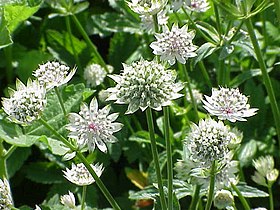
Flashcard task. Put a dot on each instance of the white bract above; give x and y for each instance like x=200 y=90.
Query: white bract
x=95 y=74
x=6 y=202
x=145 y=84
x=53 y=74
x=25 y=103
x=174 y=44
x=80 y=175
x=193 y=5
x=228 y=104
x=147 y=21
x=223 y=199
x=147 y=7
x=68 y=200
x=93 y=127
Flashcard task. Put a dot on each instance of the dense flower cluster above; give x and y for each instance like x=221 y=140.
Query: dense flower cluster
x=223 y=199
x=25 y=103
x=228 y=104
x=53 y=74
x=147 y=7
x=95 y=74
x=80 y=175
x=174 y=44
x=193 y=5
x=145 y=84
x=6 y=202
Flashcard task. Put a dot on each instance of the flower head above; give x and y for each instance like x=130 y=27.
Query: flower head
x=5 y=195
x=93 y=127
x=196 y=94
x=95 y=74
x=80 y=175
x=68 y=200
x=174 y=44
x=53 y=74
x=147 y=7
x=228 y=104
x=145 y=84
x=25 y=103
x=198 y=5
x=223 y=199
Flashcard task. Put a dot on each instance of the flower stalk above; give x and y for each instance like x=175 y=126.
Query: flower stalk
x=211 y=186
x=83 y=197
x=241 y=197
x=60 y=101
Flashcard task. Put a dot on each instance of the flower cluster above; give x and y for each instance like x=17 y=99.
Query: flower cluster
x=145 y=84
x=192 y=5
x=68 y=200
x=25 y=103
x=53 y=74
x=147 y=21
x=228 y=104
x=6 y=202
x=80 y=175
x=147 y=7
x=95 y=74
x=174 y=44
x=223 y=199
x=93 y=127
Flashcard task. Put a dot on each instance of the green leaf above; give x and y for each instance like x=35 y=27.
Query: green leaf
x=5 y=38
x=247 y=152
x=210 y=30
x=15 y=14
x=77 y=8
x=55 y=146
x=152 y=177
x=250 y=192
x=17 y=159
x=43 y=172
x=204 y=51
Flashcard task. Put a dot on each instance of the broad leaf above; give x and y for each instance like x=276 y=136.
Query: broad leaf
x=5 y=38
x=247 y=152
x=250 y=192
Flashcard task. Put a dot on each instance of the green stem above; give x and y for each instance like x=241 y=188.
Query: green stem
x=76 y=57
x=188 y=83
x=211 y=186
x=9 y=65
x=266 y=79
x=89 y=43
x=271 y=204
x=205 y=73
x=195 y=198
x=221 y=73
x=155 y=156
x=82 y=158
x=3 y=167
x=218 y=22
x=60 y=101
x=155 y=19
x=84 y=193
x=169 y=156
x=241 y=198
x=277 y=8
x=10 y=151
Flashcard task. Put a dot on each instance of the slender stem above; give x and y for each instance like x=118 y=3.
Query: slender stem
x=169 y=156
x=221 y=72
x=60 y=101
x=277 y=8
x=211 y=186
x=271 y=204
x=205 y=73
x=155 y=156
x=10 y=151
x=218 y=22
x=9 y=65
x=84 y=193
x=266 y=79
x=76 y=57
x=155 y=19
x=195 y=198
x=188 y=83
x=3 y=167
x=89 y=43
x=241 y=198
x=82 y=158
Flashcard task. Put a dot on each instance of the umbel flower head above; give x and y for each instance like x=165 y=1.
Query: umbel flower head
x=80 y=175
x=68 y=200
x=25 y=103
x=174 y=44
x=223 y=199
x=145 y=84
x=93 y=127
x=53 y=74
x=228 y=104
x=5 y=195
x=147 y=7
x=95 y=74
x=193 y=5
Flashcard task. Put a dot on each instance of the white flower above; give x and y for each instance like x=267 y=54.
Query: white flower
x=80 y=175
x=25 y=103
x=228 y=104
x=93 y=127
x=174 y=44
x=68 y=200
x=196 y=94
x=197 y=5
x=145 y=84
x=223 y=199
x=53 y=74
x=95 y=74
x=6 y=202
x=265 y=170
x=147 y=7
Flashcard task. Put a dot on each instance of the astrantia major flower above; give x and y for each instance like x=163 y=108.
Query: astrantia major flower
x=53 y=74
x=147 y=7
x=5 y=195
x=228 y=104
x=223 y=199
x=79 y=174
x=95 y=74
x=25 y=103
x=145 y=84
x=174 y=44
x=68 y=200
x=197 y=5
x=93 y=127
